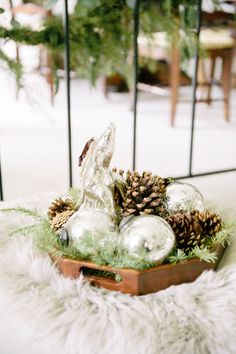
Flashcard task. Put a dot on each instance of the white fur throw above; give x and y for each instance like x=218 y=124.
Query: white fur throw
x=197 y=318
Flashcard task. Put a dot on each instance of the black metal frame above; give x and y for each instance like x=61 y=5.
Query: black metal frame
x=135 y=76
x=68 y=96
x=135 y=95
x=194 y=85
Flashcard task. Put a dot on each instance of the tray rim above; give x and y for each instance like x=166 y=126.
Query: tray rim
x=219 y=249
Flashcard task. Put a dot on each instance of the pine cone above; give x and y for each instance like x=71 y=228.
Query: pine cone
x=60 y=219
x=144 y=194
x=58 y=206
x=187 y=230
x=120 y=171
x=211 y=223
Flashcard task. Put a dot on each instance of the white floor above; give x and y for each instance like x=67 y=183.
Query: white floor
x=33 y=133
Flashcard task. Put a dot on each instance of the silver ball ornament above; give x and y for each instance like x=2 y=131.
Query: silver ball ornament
x=125 y=220
x=93 y=223
x=183 y=197
x=148 y=236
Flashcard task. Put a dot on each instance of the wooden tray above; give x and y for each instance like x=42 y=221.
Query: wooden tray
x=136 y=282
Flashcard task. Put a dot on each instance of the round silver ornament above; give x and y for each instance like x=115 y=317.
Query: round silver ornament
x=124 y=221
x=148 y=236
x=183 y=197
x=93 y=224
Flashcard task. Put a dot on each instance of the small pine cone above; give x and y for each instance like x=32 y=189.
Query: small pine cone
x=118 y=199
x=188 y=232
x=164 y=182
x=58 y=206
x=120 y=171
x=145 y=194
x=211 y=223
x=60 y=219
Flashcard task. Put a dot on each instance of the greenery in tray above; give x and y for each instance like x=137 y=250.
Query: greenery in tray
x=101 y=34
x=47 y=241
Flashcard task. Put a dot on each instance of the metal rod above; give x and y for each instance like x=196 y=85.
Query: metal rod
x=68 y=95
x=135 y=76
x=194 y=85
x=1 y=186
x=207 y=173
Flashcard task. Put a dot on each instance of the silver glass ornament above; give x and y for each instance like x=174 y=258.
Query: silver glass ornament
x=148 y=236
x=183 y=197
x=93 y=224
x=124 y=221
x=63 y=236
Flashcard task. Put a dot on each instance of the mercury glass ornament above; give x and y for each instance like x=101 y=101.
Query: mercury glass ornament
x=95 y=224
x=96 y=178
x=183 y=197
x=148 y=236
x=124 y=221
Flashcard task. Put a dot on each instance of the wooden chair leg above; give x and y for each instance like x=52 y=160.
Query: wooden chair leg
x=201 y=79
x=212 y=72
x=226 y=81
x=105 y=87
x=49 y=76
x=174 y=82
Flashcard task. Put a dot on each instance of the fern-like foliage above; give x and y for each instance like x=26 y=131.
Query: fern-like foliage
x=24 y=230
x=105 y=249
x=13 y=66
x=204 y=254
x=221 y=237
x=33 y=213
x=177 y=256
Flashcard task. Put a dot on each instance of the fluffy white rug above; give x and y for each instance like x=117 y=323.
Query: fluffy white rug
x=77 y=318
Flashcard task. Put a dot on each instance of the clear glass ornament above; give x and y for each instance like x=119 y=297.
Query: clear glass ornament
x=183 y=197
x=89 y=224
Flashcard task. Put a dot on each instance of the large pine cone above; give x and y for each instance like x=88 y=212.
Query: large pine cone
x=60 y=219
x=211 y=223
x=144 y=194
x=59 y=206
x=187 y=230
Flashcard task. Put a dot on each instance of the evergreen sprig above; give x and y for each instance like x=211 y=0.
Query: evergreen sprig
x=24 y=230
x=13 y=66
x=204 y=254
x=222 y=237
x=177 y=256
x=112 y=254
x=101 y=34
x=33 y=213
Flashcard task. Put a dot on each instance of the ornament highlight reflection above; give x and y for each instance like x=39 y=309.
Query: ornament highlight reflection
x=148 y=236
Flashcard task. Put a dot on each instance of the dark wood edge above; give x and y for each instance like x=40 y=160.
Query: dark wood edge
x=102 y=281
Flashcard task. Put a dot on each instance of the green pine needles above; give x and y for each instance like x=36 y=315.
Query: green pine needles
x=46 y=240
x=13 y=67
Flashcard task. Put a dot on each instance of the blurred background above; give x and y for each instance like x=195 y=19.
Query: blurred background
x=33 y=101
